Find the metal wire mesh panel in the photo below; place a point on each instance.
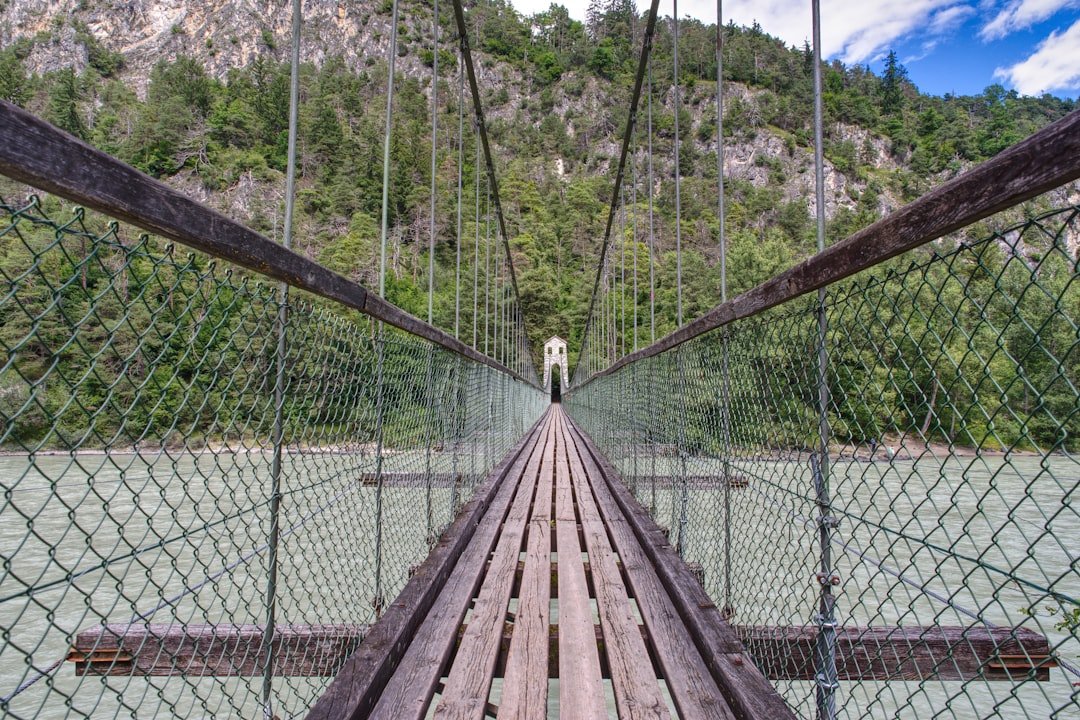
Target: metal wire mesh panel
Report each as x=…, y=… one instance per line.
x=175, y=480
x=954, y=419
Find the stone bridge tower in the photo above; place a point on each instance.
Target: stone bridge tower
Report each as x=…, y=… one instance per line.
x=555, y=355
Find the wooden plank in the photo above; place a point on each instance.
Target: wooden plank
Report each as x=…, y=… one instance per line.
x=581, y=693
x=45, y=157
x=356, y=689
x=408, y=693
x=749, y=694
x=469, y=681
x=219, y=650
x=1046, y=160
x=905, y=653
x=637, y=693
x=525, y=684
x=692, y=687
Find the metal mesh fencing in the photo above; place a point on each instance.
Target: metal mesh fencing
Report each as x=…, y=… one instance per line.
x=197, y=521
x=948, y=517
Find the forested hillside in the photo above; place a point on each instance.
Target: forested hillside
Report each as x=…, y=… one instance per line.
x=211, y=119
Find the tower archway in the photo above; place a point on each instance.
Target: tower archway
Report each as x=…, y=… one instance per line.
x=555, y=358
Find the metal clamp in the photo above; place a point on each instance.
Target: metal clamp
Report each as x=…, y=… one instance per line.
x=826, y=623
x=824, y=682
x=829, y=521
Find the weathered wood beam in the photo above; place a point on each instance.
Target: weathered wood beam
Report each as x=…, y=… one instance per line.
x=781, y=653
x=218, y=650
x=446, y=480
x=45, y=157
x=904, y=653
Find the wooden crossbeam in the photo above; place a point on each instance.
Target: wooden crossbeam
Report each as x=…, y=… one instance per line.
x=446, y=480
x=904, y=653
x=781, y=653
x=212, y=650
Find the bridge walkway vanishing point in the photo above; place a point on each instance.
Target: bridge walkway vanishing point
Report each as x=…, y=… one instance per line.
x=554, y=583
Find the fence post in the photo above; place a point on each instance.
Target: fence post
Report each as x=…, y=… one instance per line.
x=270, y=626
x=728, y=611
x=377, y=600
x=433, y=410
x=825, y=644
x=652, y=439
x=633, y=401
x=456, y=384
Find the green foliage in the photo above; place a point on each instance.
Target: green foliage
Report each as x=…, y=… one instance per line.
x=64, y=96
x=106, y=62
x=14, y=83
x=223, y=131
x=893, y=81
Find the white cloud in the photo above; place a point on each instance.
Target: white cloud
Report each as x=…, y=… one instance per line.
x=949, y=18
x=1020, y=14
x=852, y=35
x=927, y=48
x=1055, y=65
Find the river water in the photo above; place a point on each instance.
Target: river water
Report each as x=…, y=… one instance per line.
x=933, y=541
x=183, y=539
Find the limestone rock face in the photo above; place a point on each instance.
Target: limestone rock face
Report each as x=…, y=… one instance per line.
x=222, y=34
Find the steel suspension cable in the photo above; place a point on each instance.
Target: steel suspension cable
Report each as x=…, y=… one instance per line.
x=377, y=600
x=270, y=627
x=487, y=270
x=622, y=273
x=460, y=171
x=495, y=313
x=634, y=230
x=825, y=644
x=476, y=246
x=720, y=209
x=725, y=399
x=434, y=158
x=678, y=170
x=652, y=224
x=631, y=121
x=478, y=109
x=385, y=223
x=430, y=377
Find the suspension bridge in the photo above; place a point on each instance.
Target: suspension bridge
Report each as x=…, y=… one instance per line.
x=315, y=504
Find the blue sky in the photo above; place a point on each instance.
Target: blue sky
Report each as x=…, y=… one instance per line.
x=958, y=46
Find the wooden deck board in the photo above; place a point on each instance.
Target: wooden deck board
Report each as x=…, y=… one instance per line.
x=469, y=682
x=637, y=692
x=581, y=691
x=525, y=688
x=410, y=689
x=693, y=689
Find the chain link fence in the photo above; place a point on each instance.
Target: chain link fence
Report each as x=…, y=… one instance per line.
x=210, y=488
x=950, y=477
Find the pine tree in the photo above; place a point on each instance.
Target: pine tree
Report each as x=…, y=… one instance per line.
x=892, y=85
x=14, y=85
x=64, y=99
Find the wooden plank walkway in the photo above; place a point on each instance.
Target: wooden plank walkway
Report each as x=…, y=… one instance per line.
x=553, y=593
x=554, y=608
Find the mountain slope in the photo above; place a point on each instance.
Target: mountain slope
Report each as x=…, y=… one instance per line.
x=195, y=93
